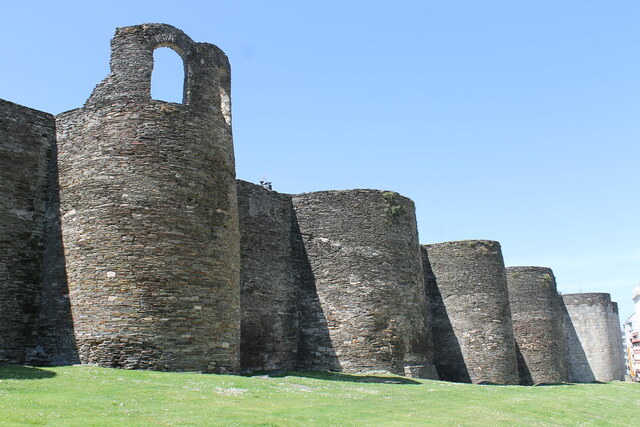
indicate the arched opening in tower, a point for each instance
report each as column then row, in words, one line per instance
column 168, row 77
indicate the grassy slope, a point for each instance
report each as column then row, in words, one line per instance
column 88, row 395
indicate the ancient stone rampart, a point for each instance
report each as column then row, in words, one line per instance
column 149, row 212
column 536, row 313
column 269, row 295
column 472, row 330
column 126, row 241
column 362, row 248
column 26, row 140
column 594, row 343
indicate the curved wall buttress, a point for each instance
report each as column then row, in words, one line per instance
column 536, row 310
column 472, row 329
column 149, row 212
column 366, row 280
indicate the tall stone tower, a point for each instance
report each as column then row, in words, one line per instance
column 594, row 338
column 149, row 212
column 472, row 329
column 363, row 300
column 536, row 311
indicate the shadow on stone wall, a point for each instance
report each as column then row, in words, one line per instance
column 56, row 338
column 269, row 308
column 578, row 366
column 523, row 369
column 315, row 349
column 448, row 356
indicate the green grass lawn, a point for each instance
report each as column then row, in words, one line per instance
column 88, row 395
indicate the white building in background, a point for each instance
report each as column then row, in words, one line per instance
column 632, row 339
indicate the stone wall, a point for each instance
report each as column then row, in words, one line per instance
column 315, row 348
column 472, row 329
column 616, row 336
column 269, row 300
column 594, row 343
column 149, row 213
column 536, row 312
column 56, row 338
column 126, row 244
column 26, row 139
column 365, row 280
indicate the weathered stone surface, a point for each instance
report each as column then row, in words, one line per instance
column 143, row 193
column 149, row 212
column 364, row 280
column 26, row 140
column 538, row 327
column 269, row 304
column 472, row 329
column 56, row 338
column 594, row 339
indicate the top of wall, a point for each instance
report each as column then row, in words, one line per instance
column 463, row 243
column 207, row 83
column 13, row 109
column 588, row 298
column 529, row 268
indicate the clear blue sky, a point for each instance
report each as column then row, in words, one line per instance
column 506, row 120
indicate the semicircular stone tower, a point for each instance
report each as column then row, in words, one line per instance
column 536, row 312
column 472, row 329
column 363, row 300
column 594, row 343
column 149, row 212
